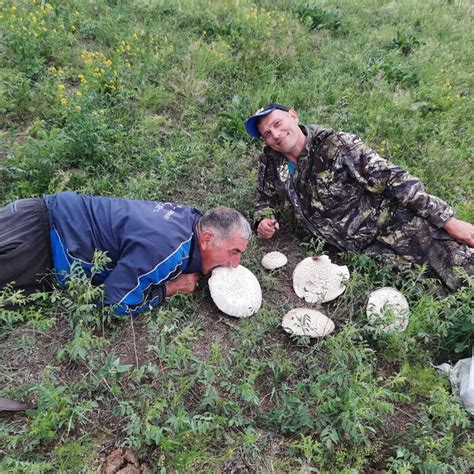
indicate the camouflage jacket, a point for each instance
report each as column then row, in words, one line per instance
column 344, row 191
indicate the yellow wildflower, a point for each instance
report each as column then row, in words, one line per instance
column 77, row 107
column 61, row 87
column 64, row 101
column 82, row 78
column 79, row 93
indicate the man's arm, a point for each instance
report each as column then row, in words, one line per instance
column 461, row 231
column 267, row 197
column 379, row 175
column 139, row 280
column 185, row 283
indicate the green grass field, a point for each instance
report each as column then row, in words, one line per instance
column 146, row 100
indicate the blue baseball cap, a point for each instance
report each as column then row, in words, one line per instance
column 252, row 122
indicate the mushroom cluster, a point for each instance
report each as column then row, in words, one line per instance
column 237, row 292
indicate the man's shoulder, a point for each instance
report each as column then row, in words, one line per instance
column 317, row 133
column 330, row 139
column 319, row 139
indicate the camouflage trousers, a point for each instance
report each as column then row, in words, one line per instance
column 417, row 241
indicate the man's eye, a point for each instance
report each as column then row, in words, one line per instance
column 277, row 123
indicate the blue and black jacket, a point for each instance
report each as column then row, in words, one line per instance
column 149, row 243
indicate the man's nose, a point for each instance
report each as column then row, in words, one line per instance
column 234, row 261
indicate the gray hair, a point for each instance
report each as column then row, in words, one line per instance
column 224, row 221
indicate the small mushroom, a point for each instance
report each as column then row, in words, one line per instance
column 307, row 322
column 273, row 260
column 235, row 291
column 317, row 280
column 390, row 308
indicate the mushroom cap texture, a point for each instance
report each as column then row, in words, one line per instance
column 307, row 322
column 273, row 260
column 235, row 291
column 317, row 280
column 390, row 307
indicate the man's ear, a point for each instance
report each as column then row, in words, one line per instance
column 205, row 239
column 293, row 115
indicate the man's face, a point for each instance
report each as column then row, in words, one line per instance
column 225, row 253
column 280, row 130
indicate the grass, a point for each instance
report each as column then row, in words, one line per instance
column 147, row 100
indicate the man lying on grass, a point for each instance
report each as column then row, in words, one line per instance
column 155, row 249
column 352, row 197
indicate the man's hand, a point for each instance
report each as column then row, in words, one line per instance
column 461, row 231
column 267, row 228
column 185, row 283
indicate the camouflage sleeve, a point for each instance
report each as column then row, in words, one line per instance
column 379, row 175
column 266, row 196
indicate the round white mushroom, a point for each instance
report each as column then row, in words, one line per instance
column 235, row 291
column 317, row 280
column 307, row 322
column 273, row 260
column 389, row 309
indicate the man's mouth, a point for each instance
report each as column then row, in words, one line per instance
column 282, row 140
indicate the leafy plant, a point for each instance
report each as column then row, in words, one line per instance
column 318, row 17
column 406, row 43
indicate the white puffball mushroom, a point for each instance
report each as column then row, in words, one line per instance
column 307, row 322
column 235, row 291
column 274, row 260
column 317, row 280
column 388, row 307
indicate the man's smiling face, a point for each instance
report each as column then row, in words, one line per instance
column 280, row 131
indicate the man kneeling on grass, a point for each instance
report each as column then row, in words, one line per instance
column 354, row 198
column 155, row 249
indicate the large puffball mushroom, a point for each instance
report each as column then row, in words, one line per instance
column 307, row 322
column 317, row 280
column 235, row 291
column 274, row 260
column 388, row 308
